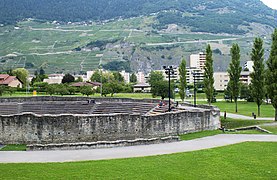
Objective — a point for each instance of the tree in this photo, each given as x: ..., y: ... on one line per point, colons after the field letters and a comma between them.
x: 62, y: 89
x: 41, y: 71
x: 183, y: 79
x: 51, y: 89
x: 245, y: 93
x: 154, y: 77
x: 86, y: 90
x: 158, y: 84
x: 271, y: 76
x: 114, y: 87
x: 79, y: 79
x: 228, y: 93
x: 118, y: 77
x: 258, y: 76
x: 68, y: 78
x: 133, y: 78
x: 234, y: 73
x: 2, y: 90
x: 22, y: 74
x: 209, y: 75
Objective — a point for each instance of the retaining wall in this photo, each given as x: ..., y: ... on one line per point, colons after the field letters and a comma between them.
x: 30, y: 128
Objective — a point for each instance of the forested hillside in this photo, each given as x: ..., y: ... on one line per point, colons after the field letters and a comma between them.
x: 217, y: 16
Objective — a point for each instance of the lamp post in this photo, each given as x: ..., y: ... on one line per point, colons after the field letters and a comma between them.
x: 194, y: 87
x: 169, y: 71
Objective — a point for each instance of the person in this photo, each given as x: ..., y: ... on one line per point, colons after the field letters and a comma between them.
x: 161, y: 103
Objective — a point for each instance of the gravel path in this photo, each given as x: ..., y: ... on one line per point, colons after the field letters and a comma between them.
x: 131, y: 151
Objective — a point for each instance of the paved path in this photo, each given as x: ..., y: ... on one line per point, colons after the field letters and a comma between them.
x: 131, y: 151
x: 238, y: 116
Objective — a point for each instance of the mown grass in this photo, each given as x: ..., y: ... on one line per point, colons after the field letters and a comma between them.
x: 14, y: 147
x: 250, y: 160
x: 245, y: 108
x: 272, y: 129
x: 230, y: 123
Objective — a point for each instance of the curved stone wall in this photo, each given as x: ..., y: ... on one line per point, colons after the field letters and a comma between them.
x: 29, y: 128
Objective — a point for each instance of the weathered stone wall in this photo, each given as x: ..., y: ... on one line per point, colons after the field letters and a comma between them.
x: 30, y: 128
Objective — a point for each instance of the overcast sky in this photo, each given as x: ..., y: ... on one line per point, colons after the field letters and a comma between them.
x: 271, y: 3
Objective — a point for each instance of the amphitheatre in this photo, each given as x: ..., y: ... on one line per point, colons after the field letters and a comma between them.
x: 54, y: 123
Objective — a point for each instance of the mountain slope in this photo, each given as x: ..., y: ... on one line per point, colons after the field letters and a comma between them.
x: 216, y: 16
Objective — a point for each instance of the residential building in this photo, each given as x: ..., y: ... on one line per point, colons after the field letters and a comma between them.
x: 10, y: 81
x: 142, y: 87
x: 141, y: 77
x: 198, y: 60
x: 194, y: 73
x: 126, y: 76
x: 221, y: 80
x: 245, y: 77
x: 54, y: 79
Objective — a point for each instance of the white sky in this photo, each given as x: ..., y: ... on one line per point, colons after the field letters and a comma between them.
x: 271, y: 3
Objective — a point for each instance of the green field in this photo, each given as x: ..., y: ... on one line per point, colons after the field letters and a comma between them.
x: 246, y: 108
x: 251, y: 160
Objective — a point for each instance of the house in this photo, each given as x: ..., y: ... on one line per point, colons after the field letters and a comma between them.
x: 142, y: 87
x: 10, y: 81
x: 54, y: 79
x: 94, y: 85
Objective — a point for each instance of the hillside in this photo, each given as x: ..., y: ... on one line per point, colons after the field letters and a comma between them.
x: 217, y: 16
x: 44, y: 33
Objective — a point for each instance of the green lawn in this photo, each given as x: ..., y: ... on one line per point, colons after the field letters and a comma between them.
x: 272, y: 129
x: 14, y: 147
x: 250, y: 160
x: 201, y: 134
x: 230, y: 123
x: 246, y: 108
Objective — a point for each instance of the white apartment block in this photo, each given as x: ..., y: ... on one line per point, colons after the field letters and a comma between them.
x: 140, y: 77
x: 126, y: 76
x: 194, y: 73
x: 198, y: 60
x: 221, y: 80
x: 245, y: 77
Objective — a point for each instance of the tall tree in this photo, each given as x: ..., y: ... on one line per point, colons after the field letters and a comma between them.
x: 209, y: 75
x: 234, y: 73
x: 133, y: 78
x: 22, y: 74
x: 271, y: 77
x: 68, y: 78
x: 183, y: 79
x: 258, y: 76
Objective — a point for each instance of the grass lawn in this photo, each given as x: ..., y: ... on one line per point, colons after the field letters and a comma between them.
x: 201, y: 134
x: 272, y: 129
x: 250, y: 160
x: 245, y: 108
x: 14, y: 147
x: 230, y: 123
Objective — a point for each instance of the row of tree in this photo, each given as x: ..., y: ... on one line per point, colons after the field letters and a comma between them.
x: 263, y: 81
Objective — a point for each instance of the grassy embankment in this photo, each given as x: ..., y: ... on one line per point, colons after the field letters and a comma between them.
x: 250, y: 160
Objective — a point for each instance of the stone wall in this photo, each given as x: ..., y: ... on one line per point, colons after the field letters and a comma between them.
x: 30, y: 128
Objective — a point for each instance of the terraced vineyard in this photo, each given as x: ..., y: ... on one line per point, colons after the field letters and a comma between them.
x: 62, y: 48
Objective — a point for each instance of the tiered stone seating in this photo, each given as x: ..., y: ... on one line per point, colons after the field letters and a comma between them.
x: 8, y: 108
x: 162, y: 109
x: 126, y: 107
x: 57, y: 107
